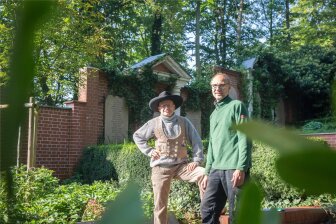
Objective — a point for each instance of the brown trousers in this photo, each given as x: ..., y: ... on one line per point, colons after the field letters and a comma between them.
x: 161, y: 180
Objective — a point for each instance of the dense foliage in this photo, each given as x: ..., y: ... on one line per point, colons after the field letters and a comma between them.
x: 200, y: 99
x: 283, y: 26
x: 137, y: 88
x: 119, y: 162
x: 302, y: 78
x: 113, y: 35
x: 41, y: 198
x: 323, y: 125
x: 277, y: 193
x: 184, y: 197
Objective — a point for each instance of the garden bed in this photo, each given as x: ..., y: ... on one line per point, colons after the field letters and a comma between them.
x: 297, y: 215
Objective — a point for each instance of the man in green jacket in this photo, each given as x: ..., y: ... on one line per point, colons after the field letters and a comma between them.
x: 229, y: 153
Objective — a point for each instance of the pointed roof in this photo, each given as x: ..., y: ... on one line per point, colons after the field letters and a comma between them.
x: 147, y: 61
x: 249, y: 63
x: 164, y: 65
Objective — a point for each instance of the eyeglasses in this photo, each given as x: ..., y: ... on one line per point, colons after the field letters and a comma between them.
x: 166, y: 105
x: 218, y: 86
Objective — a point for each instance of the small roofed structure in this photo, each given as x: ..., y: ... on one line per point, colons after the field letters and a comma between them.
x: 165, y: 67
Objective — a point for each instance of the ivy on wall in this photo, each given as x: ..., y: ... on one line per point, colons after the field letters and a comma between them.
x: 268, y: 85
x: 137, y: 89
x: 200, y: 99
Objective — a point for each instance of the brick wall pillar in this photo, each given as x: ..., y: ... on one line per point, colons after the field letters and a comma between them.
x: 62, y: 133
x: 87, y: 120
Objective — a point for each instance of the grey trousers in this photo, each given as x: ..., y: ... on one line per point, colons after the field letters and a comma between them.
x: 219, y: 190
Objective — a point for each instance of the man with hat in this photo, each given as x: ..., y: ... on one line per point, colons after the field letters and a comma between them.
x: 169, y: 158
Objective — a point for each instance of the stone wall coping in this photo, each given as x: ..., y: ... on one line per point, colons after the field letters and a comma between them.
x: 326, y: 133
x: 55, y: 107
x: 74, y: 101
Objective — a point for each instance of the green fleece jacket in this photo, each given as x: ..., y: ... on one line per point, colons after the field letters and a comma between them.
x: 228, y: 149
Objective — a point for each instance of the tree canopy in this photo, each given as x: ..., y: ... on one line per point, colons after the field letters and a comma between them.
x: 294, y: 40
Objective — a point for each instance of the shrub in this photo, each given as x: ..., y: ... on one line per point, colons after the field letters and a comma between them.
x: 147, y: 198
x: 95, y: 164
x: 133, y: 165
x: 93, y: 210
x: 278, y: 193
x: 312, y: 125
x: 119, y: 162
x: 185, y: 200
x: 3, y: 201
x: 130, y: 164
x: 40, y: 199
x: 322, y: 125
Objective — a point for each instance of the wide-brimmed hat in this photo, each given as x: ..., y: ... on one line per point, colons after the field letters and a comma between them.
x: 165, y: 95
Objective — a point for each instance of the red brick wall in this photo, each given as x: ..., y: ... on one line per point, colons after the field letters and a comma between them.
x: 64, y: 132
x: 53, y: 137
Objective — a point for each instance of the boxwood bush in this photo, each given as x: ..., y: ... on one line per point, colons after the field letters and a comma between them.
x: 277, y: 193
x: 118, y: 162
x: 127, y: 162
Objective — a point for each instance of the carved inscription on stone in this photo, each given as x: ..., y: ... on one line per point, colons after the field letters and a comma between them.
x: 116, y: 120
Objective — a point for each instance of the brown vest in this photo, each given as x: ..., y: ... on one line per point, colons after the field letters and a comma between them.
x: 171, y: 147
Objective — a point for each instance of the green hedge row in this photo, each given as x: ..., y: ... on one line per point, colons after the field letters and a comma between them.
x: 277, y: 193
x: 117, y: 162
x: 127, y: 162
x: 40, y: 198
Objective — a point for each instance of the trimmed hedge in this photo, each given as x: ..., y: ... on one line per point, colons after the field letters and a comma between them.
x: 277, y: 193
x: 127, y: 162
x: 118, y: 162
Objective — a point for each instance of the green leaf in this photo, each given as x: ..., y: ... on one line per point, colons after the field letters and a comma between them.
x: 304, y: 163
x: 249, y: 205
x: 314, y: 171
x: 283, y: 140
x: 126, y: 208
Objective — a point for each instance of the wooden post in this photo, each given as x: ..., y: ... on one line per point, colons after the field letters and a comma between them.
x: 18, y: 148
x: 34, y: 136
x: 30, y: 134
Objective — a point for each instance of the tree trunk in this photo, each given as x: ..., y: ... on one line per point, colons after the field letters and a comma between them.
x: 156, y: 33
x: 239, y: 25
x: 197, y: 39
x: 47, y: 99
x: 287, y: 22
x: 271, y: 22
x: 223, y: 24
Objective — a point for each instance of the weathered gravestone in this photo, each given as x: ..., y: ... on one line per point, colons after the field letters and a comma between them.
x: 116, y: 120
